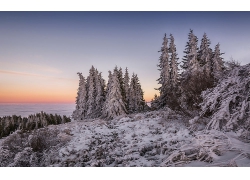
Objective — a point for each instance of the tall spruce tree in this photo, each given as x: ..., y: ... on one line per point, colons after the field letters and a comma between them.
x: 174, y: 90
x: 139, y: 95
x: 113, y: 105
x: 164, y: 73
x: 195, y: 78
x: 174, y: 70
x: 126, y: 87
x: 121, y: 82
x: 136, y: 100
x: 205, y: 55
x: 109, y: 81
x: 190, y: 61
x: 81, y: 107
x: 217, y: 62
x: 100, y: 94
x: 131, y: 100
x: 91, y: 92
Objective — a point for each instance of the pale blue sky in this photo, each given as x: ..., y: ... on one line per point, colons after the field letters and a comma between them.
x: 44, y: 50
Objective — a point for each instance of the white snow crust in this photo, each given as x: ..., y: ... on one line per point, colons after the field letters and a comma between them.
x: 157, y: 138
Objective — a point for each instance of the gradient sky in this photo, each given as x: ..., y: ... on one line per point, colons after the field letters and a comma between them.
x: 41, y: 52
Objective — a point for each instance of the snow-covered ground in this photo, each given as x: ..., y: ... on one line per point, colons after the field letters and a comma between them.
x: 158, y: 138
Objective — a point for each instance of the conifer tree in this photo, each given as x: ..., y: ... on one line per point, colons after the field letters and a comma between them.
x: 136, y: 100
x: 121, y: 82
x: 205, y: 55
x: 174, y: 74
x: 109, y: 81
x: 190, y: 60
x: 131, y: 102
x: 164, y: 73
x: 217, y: 62
x: 80, y: 111
x: 126, y: 87
x: 91, y: 92
x: 174, y: 90
x: 139, y: 95
x: 116, y: 70
x: 195, y: 78
x: 113, y: 105
x: 100, y: 94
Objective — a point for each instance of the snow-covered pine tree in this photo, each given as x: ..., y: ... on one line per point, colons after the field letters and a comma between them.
x: 113, y: 105
x: 116, y: 70
x: 174, y: 90
x: 217, y: 63
x: 100, y: 94
x: 81, y: 107
x: 205, y: 55
x: 121, y: 81
x: 193, y: 81
x: 174, y: 70
x: 103, y: 83
x: 136, y: 100
x: 139, y: 96
x: 91, y: 92
x: 126, y: 87
x: 164, y: 73
x: 131, y: 100
x: 109, y: 81
x: 190, y: 60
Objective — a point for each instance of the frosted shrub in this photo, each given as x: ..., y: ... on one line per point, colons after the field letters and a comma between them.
x: 228, y: 103
x: 27, y: 148
x: 43, y: 139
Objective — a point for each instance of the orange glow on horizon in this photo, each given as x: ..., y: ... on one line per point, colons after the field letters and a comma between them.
x: 36, y: 96
x: 44, y: 96
x: 37, y: 99
x: 16, y: 89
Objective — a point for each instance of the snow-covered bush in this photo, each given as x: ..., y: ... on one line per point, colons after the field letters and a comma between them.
x: 228, y: 103
x: 23, y: 158
x: 28, y: 148
x: 42, y: 139
x: 5, y: 156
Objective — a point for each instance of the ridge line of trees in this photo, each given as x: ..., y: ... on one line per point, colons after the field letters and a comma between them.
x: 121, y: 95
x: 9, y: 124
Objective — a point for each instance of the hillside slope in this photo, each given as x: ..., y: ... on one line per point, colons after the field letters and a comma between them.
x: 158, y: 138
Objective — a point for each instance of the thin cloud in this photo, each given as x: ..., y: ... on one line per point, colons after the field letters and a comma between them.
x: 43, y: 68
x: 32, y: 75
x: 38, y: 67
